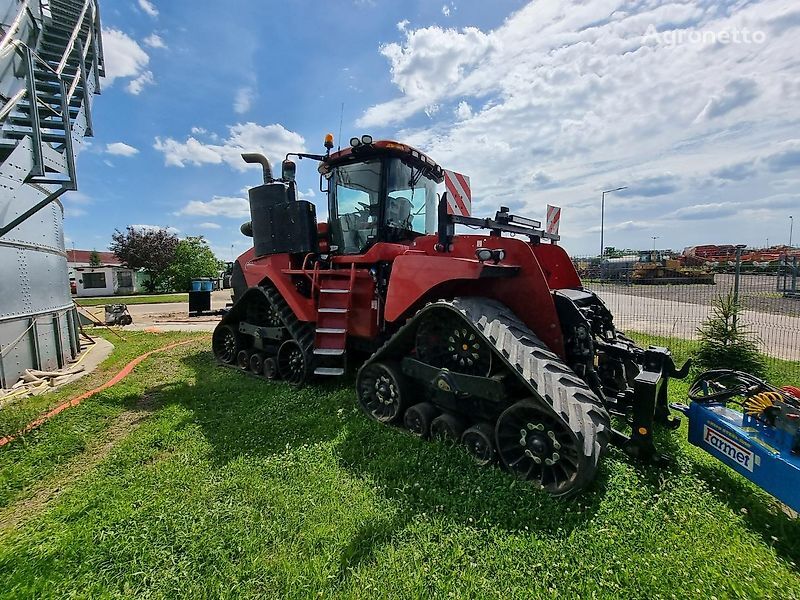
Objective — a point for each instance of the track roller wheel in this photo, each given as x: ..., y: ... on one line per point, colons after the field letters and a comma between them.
x: 382, y: 391
x: 292, y: 364
x: 419, y: 417
x: 226, y: 344
x: 479, y: 441
x: 534, y: 444
x: 243, y: 360
x: 447, y: 428
x: 257, y: 363
x: 270, y: 368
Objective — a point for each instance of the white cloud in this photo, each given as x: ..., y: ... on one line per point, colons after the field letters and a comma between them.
x: 463, y: 111
x: 432, y: 63
x: 148, y: 7
x: 401, y: 26
x: 272, y: 140
x: 218, y: 206
x: 154, y: 41
x: 121, y: 149
x: 244, y: 100
x: 209, y: 225
x: 576, y: 98
x: 124, y: 57
x: 446, y: 10
x: 136, y: 86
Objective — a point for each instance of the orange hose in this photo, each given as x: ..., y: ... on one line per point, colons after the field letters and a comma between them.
x: 126, y: 370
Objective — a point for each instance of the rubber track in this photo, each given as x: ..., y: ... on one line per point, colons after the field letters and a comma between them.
x: 539, y: 369
x: 302, y: 332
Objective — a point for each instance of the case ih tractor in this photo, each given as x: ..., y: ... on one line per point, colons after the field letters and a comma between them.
x: 488, y: 338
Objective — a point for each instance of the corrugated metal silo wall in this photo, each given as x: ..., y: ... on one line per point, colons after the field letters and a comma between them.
x: 38, y: 324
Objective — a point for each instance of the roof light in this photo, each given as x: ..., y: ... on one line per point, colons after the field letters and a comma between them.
x: 329, y: 140
x: 366, y: 139
x: 355, y: 142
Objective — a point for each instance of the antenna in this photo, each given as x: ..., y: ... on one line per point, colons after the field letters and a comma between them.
x: 341, y: 117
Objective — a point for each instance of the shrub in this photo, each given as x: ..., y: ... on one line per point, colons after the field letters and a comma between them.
x: 726, y: 343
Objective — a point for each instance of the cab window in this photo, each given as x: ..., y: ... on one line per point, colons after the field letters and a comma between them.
x: 355, y: 206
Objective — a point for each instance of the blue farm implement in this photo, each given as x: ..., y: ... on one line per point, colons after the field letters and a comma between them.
x: 760, y: 440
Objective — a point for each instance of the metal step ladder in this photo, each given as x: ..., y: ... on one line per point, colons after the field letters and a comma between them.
x: 330, y: 336
x: 61, y: 72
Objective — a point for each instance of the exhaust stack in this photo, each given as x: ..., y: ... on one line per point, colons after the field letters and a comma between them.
x: 256, y: 158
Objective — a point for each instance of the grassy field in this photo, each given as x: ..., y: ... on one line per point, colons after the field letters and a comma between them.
x: 191, y: 481
x: 140, y: 299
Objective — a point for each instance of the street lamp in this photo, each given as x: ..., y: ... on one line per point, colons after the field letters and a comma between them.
x: 602, y: 215
x: 791, y: 226
x: 655, y: 237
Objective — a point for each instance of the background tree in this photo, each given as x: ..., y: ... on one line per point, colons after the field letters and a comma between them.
x: 152, y: 250
x: 193, y: 258
x: 94, y: 259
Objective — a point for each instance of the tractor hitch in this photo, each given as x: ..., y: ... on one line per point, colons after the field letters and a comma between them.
x: 646, y: 403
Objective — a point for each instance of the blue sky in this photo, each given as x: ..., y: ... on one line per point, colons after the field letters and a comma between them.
x: 694, y: 106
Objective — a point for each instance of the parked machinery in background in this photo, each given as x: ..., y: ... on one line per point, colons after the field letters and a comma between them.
x: 117, y: 314
x: 655, y: 267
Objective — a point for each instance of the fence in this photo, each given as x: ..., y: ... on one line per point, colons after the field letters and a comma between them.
x: 661, y: 299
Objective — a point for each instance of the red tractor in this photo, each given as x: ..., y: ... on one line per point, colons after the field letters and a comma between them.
x: 484, y: 338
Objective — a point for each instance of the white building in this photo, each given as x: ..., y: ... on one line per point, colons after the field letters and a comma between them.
x: 106, y: 280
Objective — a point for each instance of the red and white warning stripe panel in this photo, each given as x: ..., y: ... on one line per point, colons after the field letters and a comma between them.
x: 459, y: 194
x: 553, y: 219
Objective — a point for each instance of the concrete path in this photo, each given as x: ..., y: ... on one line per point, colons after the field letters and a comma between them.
x: 169, y: 316
x: 779, y: 334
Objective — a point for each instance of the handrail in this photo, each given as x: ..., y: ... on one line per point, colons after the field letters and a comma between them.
x: 75, y: 32
x: 15, y: 25
x: 9, y: 106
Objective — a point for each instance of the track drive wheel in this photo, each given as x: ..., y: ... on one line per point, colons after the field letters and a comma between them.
x: 226, y: 344
x: 257, y: 363
x: 243, y: 360
x: 534, y: 444
x: 292, y: 363
x: 479, y: 441
x: 270, y: 368
x: 382, y: 391
x: 419, y: 417
x: 447, y: 428
x: 445, y: 341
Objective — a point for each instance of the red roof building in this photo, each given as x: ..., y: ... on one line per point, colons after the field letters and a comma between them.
x: 78, y: 258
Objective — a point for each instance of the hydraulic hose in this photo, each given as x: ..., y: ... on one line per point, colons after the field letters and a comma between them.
x: 126, y: 370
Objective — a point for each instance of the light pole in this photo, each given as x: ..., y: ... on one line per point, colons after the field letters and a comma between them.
x: 602, y: 215
x: 791, y: 226
x: 655, y: 237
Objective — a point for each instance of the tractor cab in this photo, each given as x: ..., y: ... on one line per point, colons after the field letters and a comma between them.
x: 379, y: 191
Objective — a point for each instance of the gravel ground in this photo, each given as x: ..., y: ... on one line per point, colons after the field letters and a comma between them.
x: 757, y: 292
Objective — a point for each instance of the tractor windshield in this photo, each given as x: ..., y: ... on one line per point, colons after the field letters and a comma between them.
x: 358, y: 217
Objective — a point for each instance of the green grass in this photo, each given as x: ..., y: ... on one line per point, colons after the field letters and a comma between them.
x: 234, y: 487
x: 141, y: 299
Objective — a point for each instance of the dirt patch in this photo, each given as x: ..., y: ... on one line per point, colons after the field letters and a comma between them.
x: 121, y: 426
